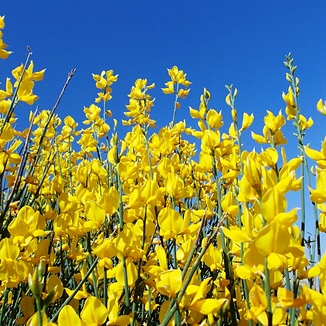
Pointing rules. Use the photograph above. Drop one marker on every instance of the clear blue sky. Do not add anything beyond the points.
(214, 42)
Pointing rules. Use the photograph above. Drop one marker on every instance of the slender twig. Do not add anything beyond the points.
(192, 271)
(80, 284)
(19, 173)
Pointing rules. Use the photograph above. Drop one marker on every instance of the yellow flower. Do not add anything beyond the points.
(169, 282)
(290, 104)
(236, 234)
(2, 22)
(25, 90)
(178, 76)
(183, 93)
(27, 223)
(7, 133)
(95, 215)
(305, 124)
(131, 270)
(214, 119)
(94, 312)
(247, 121)
(169, 88)
(3, 53)
(258, 301)
(272, 133)
(174, 185)
(210, 141)
(8, 92)
(318, 195)
(4, 106)
(29, 74)
(103, 82)
(68, 317)
(318, 156)
(272, 204)
(321, 107)
(114, 316)
(274, 123)
(170, 222)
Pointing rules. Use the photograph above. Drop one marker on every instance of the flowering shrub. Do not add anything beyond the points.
(143, 231)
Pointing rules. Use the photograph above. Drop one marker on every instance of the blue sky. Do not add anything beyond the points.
(214, 42)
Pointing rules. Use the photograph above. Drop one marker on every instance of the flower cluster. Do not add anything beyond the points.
(145, 230)
(4, 54)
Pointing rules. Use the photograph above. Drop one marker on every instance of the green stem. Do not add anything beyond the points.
(120, 202)
(14, 100)
(300, 135)
(105, 288)
(177, 316)
(175, 262)
(238, 133)
(268, 296)
(191, 273)
(226, 256)
(15, 193)
(139, 279)
(70, 166)
(123, 260)
(90, 257)
(175, 107)
(16, 303)
(304, 164)
(314, 207)
(39, 311)
(149, 157)
(67, 301)
(125, 279)
(288, 287)
(4, 304)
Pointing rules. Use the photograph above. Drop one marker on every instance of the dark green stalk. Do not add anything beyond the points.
(123, 260)
(226, 256)
(268, 296)
(70, 165)
(238, 133)
(14, 98)
(177, 316)
(149, 298)
(139, 279)
(175, 106)
(149, 157)
(191, 273)
(39, 311)
(105, 288)
(16, 303)
(18, 178)
(288, 287)
(67, 301)
(91, 261)
(4, 305)
(317, 232)
(125, 279)
(300, 135)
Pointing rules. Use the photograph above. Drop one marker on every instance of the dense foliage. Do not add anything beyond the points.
(149, 229)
